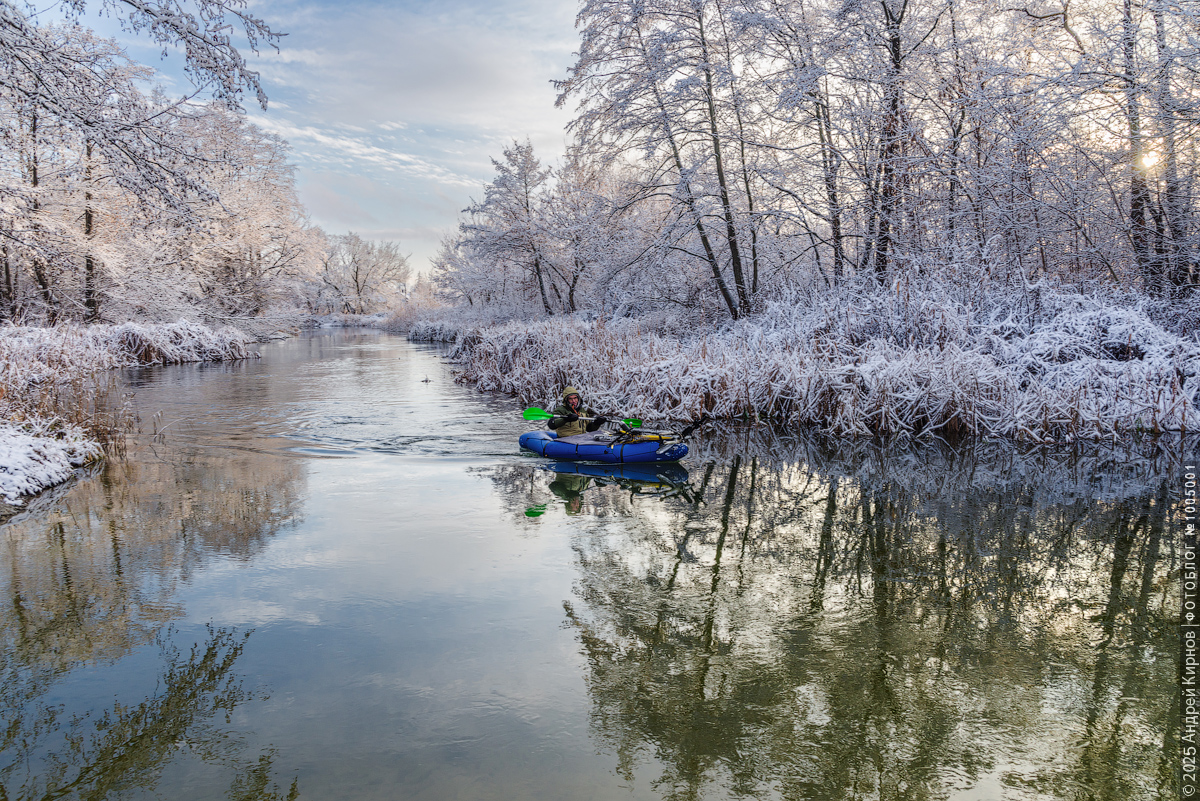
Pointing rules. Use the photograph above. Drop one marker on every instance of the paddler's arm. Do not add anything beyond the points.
(597, 420)
(560, 420)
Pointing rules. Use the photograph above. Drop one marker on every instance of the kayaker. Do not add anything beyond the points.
(566, 422)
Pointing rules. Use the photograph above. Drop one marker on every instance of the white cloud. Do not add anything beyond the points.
(415, 99)
(412, 97)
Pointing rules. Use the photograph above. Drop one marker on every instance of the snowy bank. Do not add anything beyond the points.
(34, 355)
(55, 408)
(33, 458)
(1056, 367)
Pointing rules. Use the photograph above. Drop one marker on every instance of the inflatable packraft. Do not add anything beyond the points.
(609, 447)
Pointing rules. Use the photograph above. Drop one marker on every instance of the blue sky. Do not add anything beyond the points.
(394, 110)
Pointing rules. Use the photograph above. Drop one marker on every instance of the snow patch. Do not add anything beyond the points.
(34, 457)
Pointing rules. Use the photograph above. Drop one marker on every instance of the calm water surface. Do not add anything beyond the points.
(330, 573)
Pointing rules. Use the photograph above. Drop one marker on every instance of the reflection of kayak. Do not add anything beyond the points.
(661, 473)
(602, 447)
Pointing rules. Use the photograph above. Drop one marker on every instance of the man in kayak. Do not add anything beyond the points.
(566, 421)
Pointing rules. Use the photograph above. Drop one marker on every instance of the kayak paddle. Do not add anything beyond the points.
(534, 413)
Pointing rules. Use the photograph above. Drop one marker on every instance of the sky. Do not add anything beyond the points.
(394, 110)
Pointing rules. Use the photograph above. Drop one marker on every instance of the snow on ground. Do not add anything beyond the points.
(34, 457)
(1047, 366)
(41, 441)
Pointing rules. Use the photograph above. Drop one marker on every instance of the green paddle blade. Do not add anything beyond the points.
(534, 413)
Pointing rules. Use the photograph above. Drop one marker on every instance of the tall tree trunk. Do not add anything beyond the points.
(889, 143)
(1140, 232)
(830, 162)
(745, 166)
(91, 300)
(1174, 199)
(537, 271)
(36, 263)
(731, 237)
(8, 294)
(689, 199)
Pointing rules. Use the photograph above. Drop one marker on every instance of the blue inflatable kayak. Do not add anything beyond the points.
(605, 447)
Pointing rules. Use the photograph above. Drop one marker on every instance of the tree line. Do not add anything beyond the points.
(119, 203)
(727, 151)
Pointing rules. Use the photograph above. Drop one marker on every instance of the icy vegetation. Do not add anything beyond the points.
(55, 397)
(1051, 367)
(853, 218)
(35, 355)
(35, 457)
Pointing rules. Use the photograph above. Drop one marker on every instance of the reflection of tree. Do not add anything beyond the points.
(852, 630)
(93, 576)
(126, 747)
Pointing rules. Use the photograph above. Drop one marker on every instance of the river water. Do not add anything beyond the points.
(329, 574)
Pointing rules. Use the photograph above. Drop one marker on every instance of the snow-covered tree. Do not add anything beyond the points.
(506, 227)
(358, 276)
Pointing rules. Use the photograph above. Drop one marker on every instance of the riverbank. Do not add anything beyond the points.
(1045, 366)
(59, 405)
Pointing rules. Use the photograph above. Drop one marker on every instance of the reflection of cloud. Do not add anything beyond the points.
(250, 612)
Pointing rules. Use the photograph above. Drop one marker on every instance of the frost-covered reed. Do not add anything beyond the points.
(58, 403)
(35, 355)
(1052, 367)
(444, 323)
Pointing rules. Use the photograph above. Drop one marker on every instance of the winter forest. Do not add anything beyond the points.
(875, 217)
(735, 152)
(119, 203)
(949, 217)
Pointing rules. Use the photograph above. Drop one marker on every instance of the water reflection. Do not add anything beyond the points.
(90, 578)
(124, 749)
(810, 621)
(777, 618)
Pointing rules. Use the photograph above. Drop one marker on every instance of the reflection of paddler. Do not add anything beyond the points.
(570, 487)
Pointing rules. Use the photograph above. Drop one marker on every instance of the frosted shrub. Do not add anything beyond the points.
(58, 403)
(909, 361)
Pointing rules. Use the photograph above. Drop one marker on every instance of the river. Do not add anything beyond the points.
(329, 574)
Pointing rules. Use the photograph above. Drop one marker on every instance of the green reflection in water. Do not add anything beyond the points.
(89, 578)
(837, 623)
(116, 751)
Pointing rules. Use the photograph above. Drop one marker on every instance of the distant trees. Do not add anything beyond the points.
(120, 204)
(746, 147)
(359, 277)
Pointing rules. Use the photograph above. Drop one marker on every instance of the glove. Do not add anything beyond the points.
(571, 418)
(601, 421)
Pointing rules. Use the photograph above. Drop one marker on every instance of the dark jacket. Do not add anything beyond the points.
(565, 428)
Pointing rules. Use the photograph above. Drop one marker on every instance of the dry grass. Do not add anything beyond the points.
(1066, 368)
(61, 376)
